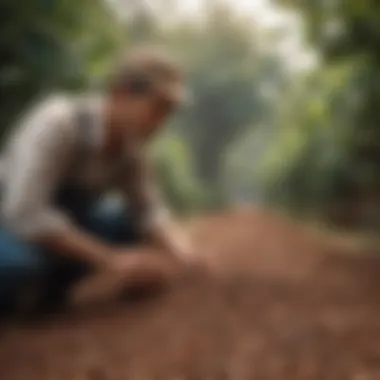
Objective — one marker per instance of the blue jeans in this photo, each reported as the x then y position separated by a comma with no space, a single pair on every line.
20,262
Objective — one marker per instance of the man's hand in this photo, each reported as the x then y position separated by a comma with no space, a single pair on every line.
137,264
125,269
170,237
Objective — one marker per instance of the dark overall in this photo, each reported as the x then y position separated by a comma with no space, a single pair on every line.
22,263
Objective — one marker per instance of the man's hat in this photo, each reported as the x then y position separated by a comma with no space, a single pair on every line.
153,69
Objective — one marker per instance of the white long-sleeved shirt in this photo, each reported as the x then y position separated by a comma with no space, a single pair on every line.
49,149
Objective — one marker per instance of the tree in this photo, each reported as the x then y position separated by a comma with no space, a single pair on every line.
226,73
347,35
48,44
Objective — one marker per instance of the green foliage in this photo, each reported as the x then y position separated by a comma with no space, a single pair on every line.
328,151
310,155
226,71
176,176
50,44
341,28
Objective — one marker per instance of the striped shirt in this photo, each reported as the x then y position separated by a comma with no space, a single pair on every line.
48,149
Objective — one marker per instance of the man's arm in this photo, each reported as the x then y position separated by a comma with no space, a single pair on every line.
149,209
38,158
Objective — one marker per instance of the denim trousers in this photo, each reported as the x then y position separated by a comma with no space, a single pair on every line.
22,262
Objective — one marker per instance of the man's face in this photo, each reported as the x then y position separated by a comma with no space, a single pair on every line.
144,114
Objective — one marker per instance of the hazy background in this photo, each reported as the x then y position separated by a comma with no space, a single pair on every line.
286,106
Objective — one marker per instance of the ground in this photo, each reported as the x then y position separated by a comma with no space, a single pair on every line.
279,301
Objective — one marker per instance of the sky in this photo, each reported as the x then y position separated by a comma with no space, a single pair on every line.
266,16
258,9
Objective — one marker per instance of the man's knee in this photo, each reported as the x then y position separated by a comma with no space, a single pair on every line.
19,264
16,255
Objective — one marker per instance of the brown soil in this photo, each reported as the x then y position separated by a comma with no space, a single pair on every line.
278,302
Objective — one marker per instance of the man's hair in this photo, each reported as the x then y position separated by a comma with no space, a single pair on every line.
145,69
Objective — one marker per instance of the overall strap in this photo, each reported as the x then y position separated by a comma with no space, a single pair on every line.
70,195
84,122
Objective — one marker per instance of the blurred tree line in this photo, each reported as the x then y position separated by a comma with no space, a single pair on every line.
50,44
254,132
335,168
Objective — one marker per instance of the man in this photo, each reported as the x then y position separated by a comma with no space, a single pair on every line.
65,155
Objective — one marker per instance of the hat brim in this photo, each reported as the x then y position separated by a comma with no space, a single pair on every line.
177,94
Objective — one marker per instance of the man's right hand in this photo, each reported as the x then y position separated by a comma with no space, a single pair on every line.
137,264
113,268
125,268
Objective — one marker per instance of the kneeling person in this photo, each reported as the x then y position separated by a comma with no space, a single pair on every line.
65,155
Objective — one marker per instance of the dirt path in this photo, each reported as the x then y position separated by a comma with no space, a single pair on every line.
280,303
